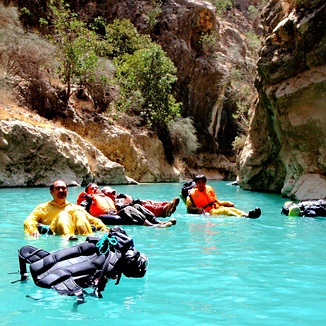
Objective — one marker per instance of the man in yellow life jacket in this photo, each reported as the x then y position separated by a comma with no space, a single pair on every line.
62,217
202,199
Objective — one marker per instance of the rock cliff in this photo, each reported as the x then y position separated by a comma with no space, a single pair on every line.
286,150
203,73
201,86
202,77
35,156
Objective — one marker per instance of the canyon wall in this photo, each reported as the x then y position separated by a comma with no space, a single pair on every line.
286,148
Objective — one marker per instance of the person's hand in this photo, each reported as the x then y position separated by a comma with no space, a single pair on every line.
35,234
200,210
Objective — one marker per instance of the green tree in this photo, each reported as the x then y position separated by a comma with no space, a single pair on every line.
146,77
76,47
151,73
123,38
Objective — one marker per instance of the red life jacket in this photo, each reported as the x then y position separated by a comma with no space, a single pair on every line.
204,199
81,197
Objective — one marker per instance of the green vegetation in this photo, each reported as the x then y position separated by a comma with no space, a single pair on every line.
222,6
76,47
145,76
144,73
148,76
121,37
209,43
153,14
183,136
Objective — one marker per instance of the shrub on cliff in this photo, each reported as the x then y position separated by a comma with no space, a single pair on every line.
183,136
148,76
121,37
151,74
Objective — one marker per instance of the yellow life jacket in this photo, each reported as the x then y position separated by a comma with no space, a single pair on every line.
204,199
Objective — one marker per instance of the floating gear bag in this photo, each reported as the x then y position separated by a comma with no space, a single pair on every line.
308,208
291,209
89,264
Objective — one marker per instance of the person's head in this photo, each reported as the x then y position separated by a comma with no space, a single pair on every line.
200,181
92,188
59,191
108,191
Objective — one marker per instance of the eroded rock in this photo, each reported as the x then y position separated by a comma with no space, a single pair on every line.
285,151
35,156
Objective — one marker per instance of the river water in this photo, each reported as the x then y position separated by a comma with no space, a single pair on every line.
203,271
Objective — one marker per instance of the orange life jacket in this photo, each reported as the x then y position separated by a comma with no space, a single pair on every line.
204,199
101,205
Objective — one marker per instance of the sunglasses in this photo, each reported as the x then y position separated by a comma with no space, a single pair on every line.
61,187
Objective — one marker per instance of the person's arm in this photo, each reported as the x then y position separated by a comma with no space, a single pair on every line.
191,207
85,200
225,203
213,197
30,223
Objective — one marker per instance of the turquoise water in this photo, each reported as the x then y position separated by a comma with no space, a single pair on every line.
203,271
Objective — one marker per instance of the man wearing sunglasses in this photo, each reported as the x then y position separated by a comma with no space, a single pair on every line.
62,217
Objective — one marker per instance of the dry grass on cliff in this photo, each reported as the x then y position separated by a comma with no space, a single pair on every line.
21,54
9,110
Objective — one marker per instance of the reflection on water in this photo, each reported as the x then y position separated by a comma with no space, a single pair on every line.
203,271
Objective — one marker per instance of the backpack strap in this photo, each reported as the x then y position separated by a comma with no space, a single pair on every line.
70,287
28,255
108,271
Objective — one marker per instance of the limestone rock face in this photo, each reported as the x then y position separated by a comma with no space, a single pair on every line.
36,156
286,149
202,76
139,152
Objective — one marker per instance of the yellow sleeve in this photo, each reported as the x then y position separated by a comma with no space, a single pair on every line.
30,224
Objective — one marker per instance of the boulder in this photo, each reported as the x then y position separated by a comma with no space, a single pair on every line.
35,156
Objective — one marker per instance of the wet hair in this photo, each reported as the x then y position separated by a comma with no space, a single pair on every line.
52,184
200,177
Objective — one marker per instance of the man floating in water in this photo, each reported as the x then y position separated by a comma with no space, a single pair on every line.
202,199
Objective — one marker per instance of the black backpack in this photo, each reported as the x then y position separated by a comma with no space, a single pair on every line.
185,189
313,208
87,265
